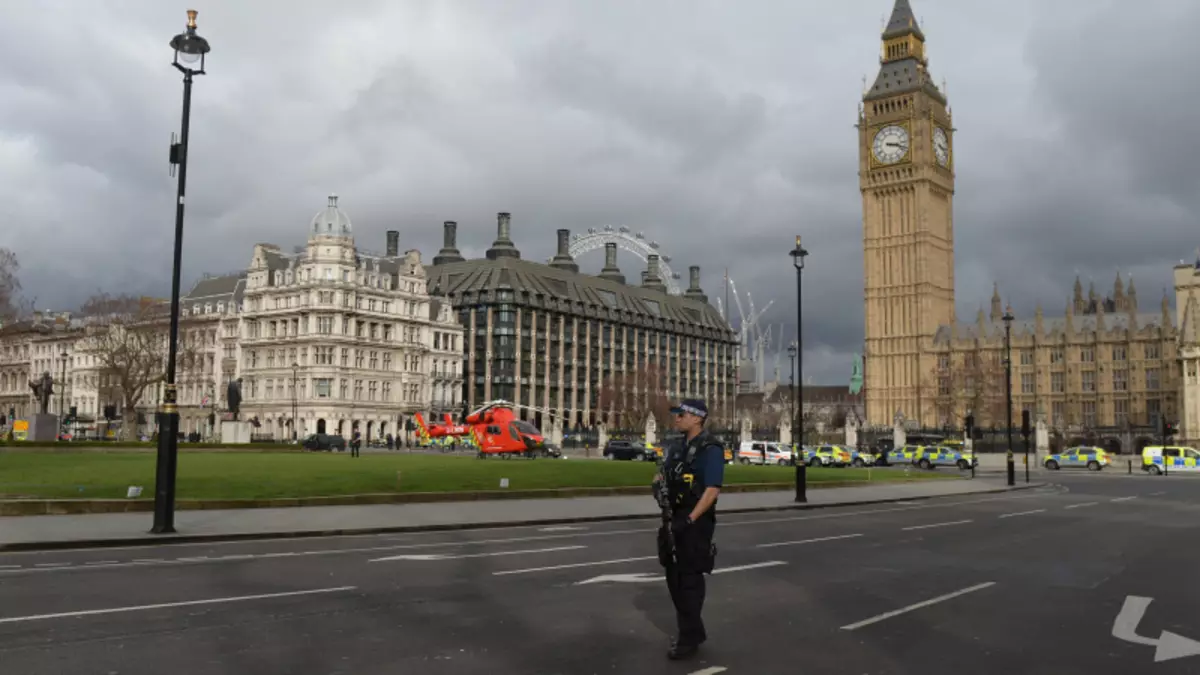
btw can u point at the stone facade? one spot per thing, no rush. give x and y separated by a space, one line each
1187 302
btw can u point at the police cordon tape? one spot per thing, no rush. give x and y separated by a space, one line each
54 507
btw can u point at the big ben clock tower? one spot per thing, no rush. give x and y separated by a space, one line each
906 174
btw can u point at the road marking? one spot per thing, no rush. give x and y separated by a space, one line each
103 562
710 671
1155 494
200 558
58 564
10 567
1022 513
919 605
149 560
1122 499
649 577
1080 506
488 554
926 527
561 528
1167 647
571 565
167 605
808 541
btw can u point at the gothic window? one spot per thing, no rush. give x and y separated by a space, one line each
1058 382
1089 380
1120 380
1028 382
1089 413
1056 355
1152 379
1121 411
1087 355
1153 351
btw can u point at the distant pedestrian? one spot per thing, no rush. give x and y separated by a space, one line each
355 444
391 442
691 473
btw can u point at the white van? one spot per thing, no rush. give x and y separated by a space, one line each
754 452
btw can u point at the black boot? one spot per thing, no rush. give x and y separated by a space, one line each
679 652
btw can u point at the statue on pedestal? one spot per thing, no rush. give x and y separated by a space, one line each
43 389
233 396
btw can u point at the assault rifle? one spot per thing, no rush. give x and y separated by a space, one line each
662 496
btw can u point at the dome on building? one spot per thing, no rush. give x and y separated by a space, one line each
332 221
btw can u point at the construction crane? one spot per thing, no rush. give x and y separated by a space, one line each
755 343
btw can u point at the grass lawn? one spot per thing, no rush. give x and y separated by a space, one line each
260 476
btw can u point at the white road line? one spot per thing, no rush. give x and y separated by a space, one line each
926 527
10 567
919 605
103 562
713 670
167 605
1080 506
488 554
561 528
808 541
200 558
1122 499
571 565
149 560
57 564
1022 513
1155 494
741 568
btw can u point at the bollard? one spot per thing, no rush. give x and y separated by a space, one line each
1130 463
801 483
1012 470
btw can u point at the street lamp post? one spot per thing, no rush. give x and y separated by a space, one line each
798 254
1008 319
796 449
295 392
190 50
62 390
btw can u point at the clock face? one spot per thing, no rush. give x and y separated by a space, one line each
890 145
941 146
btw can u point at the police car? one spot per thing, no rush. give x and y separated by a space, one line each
1082 457
906 454
827 455
862 458
1156 459
753 452
930 456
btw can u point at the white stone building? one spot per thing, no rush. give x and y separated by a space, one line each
340 339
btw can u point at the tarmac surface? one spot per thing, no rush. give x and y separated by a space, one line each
1090 575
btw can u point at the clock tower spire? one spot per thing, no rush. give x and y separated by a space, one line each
906 177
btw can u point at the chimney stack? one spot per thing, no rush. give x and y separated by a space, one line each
611 271
393 243
694 291
563 260
449 252
652 280
503 246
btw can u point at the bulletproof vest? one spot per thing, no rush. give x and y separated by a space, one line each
683 490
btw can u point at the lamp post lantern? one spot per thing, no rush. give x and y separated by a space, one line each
798 254
190 50
1008 319
295 393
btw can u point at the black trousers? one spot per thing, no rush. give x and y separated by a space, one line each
685 577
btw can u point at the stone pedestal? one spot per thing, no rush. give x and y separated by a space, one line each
651 429
43 427
899 435
556 433
747 431
1042 438
785 431
601 435
235 432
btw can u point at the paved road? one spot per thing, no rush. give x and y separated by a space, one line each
1028 582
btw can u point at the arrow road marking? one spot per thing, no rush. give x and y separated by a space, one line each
490 554
1167 647
711 671
646 577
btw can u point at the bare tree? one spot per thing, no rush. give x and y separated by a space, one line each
9 284
632 396
127 337
965 383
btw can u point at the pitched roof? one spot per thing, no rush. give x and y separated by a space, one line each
903 77
524 276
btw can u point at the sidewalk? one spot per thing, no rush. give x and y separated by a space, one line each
112 529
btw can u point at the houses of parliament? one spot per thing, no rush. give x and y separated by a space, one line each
1106 363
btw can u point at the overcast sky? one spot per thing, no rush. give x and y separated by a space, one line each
719 128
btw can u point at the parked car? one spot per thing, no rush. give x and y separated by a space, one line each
627 450
327 442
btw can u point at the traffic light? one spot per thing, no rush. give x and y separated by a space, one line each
1169 429
1025 431
970 424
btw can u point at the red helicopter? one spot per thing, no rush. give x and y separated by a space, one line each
495 430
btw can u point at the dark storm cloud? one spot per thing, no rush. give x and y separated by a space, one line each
722 130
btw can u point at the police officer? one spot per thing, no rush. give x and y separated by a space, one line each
692 471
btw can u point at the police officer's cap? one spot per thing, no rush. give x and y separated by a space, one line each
692 406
